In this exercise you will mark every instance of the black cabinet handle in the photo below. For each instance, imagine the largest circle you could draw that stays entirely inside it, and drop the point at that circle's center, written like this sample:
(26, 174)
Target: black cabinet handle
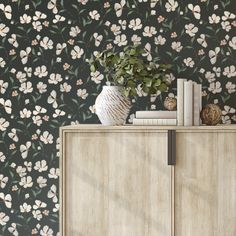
(171, 147)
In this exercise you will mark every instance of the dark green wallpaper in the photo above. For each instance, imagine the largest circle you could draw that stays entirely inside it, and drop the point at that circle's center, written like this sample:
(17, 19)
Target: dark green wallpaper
(45, 81)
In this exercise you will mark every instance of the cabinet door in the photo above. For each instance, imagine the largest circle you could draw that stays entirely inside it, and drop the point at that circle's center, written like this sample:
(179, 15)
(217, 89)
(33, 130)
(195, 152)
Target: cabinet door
(205, 184)
(116, 184)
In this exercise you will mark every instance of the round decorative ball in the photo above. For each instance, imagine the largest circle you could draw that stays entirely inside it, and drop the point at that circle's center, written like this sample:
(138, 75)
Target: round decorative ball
(170, 103)
(211, 114)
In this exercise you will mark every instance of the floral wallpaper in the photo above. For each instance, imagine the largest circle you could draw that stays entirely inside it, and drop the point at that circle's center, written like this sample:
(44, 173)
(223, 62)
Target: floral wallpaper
(45, 81)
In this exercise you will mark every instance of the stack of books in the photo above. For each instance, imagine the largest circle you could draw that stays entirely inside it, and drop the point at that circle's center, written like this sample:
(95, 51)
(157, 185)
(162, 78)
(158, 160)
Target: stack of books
(189, 103)
(189, 106)
(155, 118)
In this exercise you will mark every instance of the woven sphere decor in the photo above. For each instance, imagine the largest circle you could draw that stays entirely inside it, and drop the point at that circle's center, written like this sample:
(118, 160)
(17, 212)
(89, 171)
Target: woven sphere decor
(170, 103)
(211, 114)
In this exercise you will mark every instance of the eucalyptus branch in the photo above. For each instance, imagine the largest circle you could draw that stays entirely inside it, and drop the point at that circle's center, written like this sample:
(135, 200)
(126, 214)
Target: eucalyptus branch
(129, 69)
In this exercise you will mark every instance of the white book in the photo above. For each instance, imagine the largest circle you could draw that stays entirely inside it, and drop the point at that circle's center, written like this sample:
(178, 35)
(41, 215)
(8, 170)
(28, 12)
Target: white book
(180, 101)
(188, 103)
(197, 94)
(154, 121)
(156, 114)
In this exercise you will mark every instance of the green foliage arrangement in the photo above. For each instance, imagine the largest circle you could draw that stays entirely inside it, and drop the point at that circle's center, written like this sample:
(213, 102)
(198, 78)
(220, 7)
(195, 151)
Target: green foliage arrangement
(129, 69)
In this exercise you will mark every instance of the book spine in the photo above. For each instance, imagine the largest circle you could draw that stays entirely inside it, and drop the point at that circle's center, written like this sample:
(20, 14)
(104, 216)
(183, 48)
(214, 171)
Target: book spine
(196, 95)
(154, 121)
(188, 103)
(156, 114)
(180, 101)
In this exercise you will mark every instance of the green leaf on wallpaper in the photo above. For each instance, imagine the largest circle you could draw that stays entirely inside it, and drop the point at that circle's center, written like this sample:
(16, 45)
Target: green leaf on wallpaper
(176, 58)
(130, 12)
(75, 101)
(225, 99)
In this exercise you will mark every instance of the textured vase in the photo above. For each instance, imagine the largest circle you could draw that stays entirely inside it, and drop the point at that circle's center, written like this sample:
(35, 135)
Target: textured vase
(112, 106)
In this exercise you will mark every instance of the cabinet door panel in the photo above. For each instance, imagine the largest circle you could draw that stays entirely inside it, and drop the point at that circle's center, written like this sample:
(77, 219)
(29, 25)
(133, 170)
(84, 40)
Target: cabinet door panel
(205, 184)
(116, 184)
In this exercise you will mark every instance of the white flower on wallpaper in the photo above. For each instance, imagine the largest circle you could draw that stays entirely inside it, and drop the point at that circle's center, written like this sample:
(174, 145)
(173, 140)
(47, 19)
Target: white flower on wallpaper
(25, 19)
(46, 231)
(52, 5)
(58, 18)
(3, 181)
(94, 15)
(202, 40)
(7, 105)
(2, 62)
(230, 71)
(213, 54)
(46, 137)
(24, 149)
(189, 62)
(214, 19)
(171, 5)
(6, 199)
(231, 88)
(2, 157)
(228, 16)
(3, 124)
(116, 29)
(13, 40)
(136, 39)
(98, 39)
(74, 31)
(196, 10)
(135, 24)
(26, 182)
(232, 43)
(13, 229)
(41, 71)
(24, 54)
(37, 25)
(54, 78)
(3, 86)
(176, 46)
(77, 52)
(82, 93)
(3, 30)
(149, 31)
(3, 218)
(191, 29)
(121, 40)
(97, 77)
(159, 40)
(119, 7)
(46, 82)
(7, 10)
(52, 99)
(42, 182)
(46, 43)
(215, 87)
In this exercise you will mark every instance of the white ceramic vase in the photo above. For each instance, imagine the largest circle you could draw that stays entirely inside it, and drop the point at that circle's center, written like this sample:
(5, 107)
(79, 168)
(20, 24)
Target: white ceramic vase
(112, 106)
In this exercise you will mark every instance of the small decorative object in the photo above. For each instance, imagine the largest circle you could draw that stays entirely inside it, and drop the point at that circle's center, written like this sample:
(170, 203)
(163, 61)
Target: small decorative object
(211, 114)
(170, 103)
(112, 106)
(128, 74)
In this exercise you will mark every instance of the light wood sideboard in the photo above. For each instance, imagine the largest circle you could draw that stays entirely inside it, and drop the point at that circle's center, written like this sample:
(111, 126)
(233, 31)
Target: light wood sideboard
(116, 181)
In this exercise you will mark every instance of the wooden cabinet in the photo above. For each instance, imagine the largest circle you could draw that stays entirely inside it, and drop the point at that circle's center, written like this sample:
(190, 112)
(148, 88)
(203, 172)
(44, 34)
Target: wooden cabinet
(115, 181)
(205, 183)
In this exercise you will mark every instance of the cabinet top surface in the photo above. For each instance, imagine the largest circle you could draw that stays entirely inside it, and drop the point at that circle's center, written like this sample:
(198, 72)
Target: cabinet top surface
(95, 127)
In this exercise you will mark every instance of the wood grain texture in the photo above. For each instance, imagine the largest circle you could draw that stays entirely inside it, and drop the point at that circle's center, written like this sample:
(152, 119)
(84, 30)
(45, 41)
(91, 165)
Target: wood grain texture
(115, 184)
(205, 184)
(155, 128)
